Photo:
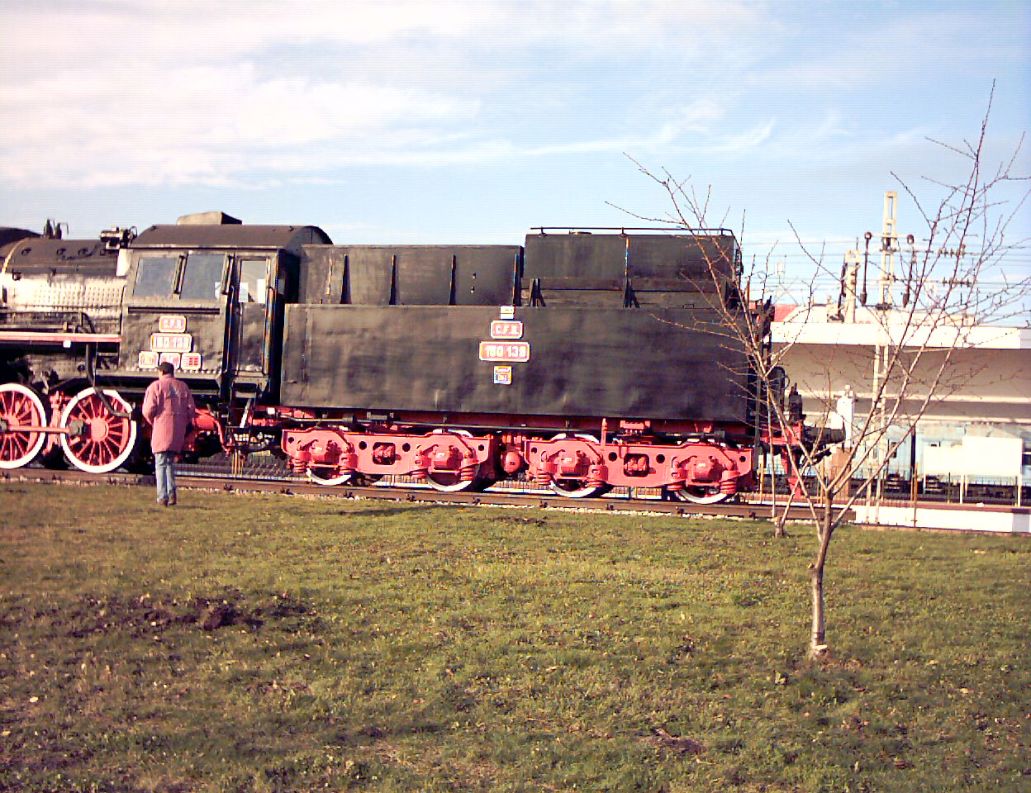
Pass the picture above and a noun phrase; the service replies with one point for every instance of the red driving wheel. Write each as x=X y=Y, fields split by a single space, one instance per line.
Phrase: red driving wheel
x=20 y=407
x=98 y=440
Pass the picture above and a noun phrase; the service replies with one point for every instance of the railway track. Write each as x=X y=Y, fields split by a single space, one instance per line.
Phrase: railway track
x=412 y=494
x=650 y=504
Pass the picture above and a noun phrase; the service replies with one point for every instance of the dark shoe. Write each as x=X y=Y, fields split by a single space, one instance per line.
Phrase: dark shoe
x=171 y=500
x=162 y=502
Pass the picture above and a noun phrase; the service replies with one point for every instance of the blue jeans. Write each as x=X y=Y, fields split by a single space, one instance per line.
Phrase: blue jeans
x=164 y=472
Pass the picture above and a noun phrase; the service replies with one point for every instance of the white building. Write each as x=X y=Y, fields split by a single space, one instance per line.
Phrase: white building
x=985 y=392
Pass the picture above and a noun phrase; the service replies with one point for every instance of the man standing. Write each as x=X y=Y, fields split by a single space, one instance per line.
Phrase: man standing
x=168 y=406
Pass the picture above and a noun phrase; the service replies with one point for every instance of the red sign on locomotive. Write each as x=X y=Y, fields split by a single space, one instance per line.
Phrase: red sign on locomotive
x=506 y=352
x=506 y=329
x=171 y=342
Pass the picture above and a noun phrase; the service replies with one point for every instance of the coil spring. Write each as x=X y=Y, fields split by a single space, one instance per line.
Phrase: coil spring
x=421 y=471
x=348 y=461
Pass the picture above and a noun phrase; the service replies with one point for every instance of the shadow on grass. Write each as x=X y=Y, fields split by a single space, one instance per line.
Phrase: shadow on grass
x=393 y=510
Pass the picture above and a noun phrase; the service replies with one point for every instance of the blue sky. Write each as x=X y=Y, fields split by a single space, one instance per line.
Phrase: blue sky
x=471 y=121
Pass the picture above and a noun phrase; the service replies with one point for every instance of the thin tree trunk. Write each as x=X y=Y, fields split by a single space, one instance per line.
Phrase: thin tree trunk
x=779 y=529
x=818 y=640
x=818 y=637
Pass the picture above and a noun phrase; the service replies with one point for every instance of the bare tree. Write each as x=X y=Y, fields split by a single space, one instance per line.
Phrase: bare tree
x=943 y=309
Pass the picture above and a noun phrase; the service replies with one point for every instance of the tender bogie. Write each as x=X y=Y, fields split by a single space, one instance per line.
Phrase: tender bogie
x=444 y=459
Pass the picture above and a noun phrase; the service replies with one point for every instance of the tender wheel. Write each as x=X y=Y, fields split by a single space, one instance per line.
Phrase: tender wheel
x=99 y=441
x=577 y=488
x=20 y=407
x=330 y=477
x=449 y=481
x=699 y=495
x=446 y=482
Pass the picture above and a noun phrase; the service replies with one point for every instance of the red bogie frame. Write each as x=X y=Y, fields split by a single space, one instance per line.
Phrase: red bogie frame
x=574 y=465
x=448 y=460
x=638 y=464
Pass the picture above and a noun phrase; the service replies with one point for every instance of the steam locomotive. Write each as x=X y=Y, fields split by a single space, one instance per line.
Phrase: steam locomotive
x=582 y=360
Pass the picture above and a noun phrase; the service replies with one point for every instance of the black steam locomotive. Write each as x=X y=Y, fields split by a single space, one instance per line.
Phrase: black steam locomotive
x=583 y=360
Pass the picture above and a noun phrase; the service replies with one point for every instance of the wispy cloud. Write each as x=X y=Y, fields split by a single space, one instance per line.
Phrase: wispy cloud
x=125 y=92
x=797 y=110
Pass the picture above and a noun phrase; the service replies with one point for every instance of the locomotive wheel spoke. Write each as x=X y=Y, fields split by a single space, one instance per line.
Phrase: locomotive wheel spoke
x=106 y=440
x=20 y=407
x=107 y=448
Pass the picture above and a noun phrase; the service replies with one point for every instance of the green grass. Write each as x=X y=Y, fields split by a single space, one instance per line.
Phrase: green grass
x=383 y=646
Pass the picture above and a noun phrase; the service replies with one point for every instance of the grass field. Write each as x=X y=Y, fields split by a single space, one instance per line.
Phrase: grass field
x=265 y=643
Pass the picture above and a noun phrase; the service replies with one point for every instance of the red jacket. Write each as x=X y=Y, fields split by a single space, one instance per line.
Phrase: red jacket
x=168 y=405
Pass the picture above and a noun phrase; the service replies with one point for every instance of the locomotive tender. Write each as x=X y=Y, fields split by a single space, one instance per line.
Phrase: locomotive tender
x=580 y=361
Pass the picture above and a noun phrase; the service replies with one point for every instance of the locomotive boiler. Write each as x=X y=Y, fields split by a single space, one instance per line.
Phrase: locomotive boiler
x=579 y=361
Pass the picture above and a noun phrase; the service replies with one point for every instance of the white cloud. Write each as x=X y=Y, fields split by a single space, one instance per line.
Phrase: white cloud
x=130 y=92
x=696 y=117
x=254 y=94
x=205 y=123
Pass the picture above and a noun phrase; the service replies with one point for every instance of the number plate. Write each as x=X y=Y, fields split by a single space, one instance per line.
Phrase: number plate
x=171 y=342
x=505 y=351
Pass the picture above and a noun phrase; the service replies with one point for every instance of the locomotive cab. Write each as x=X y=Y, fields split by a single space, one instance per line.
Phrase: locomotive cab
x=209 y=299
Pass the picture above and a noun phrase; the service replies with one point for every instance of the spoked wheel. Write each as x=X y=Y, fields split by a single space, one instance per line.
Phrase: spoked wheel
x=99 y=441
x=329 y=476
x=20 y=407
x=699 y=495
x=577 y=488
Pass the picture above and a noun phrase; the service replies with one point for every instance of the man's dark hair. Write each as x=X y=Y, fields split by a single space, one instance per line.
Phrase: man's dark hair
x=166 y=368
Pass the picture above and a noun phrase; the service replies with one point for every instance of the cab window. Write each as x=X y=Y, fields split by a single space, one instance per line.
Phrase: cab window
x=202 y=276
x=155 y=276
x=253 y=280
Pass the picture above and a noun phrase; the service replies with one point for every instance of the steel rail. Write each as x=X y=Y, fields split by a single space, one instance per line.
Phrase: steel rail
x=400 y=494
x=414 y=495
